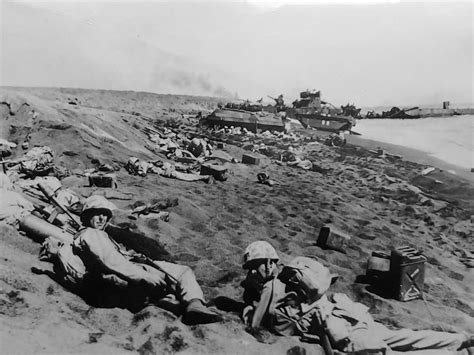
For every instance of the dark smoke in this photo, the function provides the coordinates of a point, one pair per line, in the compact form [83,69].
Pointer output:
[190,83]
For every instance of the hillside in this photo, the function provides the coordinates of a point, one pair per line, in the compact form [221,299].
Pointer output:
[381,203]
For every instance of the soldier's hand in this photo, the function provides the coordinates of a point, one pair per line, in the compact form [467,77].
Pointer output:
[262,335]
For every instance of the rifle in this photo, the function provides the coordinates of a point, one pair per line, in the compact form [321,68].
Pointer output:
[320,329]
[143,259]
[5,163]
[50,196]
[10,161]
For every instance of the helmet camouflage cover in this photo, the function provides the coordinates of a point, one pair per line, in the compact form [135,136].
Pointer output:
[258,250]
[97,202]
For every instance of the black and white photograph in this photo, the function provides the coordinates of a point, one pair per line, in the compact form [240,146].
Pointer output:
[288,177]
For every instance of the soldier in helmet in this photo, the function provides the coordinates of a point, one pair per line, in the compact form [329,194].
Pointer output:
[279,103]
[292,300]
[158,279]
[260,259]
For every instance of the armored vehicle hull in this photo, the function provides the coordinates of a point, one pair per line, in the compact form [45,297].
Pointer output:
[311,111]
[317,120]
[253,121]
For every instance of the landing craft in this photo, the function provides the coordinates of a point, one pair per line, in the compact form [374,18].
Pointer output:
[311,111]
[394,112]
[246,115]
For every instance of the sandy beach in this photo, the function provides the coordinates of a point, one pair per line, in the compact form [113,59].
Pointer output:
[381,202]
[411,154]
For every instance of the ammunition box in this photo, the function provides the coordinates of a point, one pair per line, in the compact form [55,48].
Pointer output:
[248,159]
[220,145]
[378,265]
[218,172]
[103,180]
[330,238]
[407,271]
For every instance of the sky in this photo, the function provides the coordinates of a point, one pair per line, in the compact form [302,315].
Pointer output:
[370,53]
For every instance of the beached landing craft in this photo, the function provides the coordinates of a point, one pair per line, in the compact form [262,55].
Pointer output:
[394,112]
[417,112]
[254,121]
[311,111]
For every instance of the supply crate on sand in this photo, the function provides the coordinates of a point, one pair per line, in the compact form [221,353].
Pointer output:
[332,238]
[218,172]
[248,159]
[407,268]
[103,180]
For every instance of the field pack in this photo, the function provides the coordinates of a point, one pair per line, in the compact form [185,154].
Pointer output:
[307,277]
[39,161]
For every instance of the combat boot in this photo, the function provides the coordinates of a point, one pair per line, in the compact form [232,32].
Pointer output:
[197,313]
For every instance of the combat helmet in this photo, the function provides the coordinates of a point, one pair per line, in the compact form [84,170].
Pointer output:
[97,202]
[52,183]
[258,250]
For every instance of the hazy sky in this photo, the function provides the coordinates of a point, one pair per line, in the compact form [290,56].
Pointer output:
[367,53]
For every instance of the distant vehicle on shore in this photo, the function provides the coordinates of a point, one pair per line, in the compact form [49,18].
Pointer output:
[311,111]
[394,112]
[416,112]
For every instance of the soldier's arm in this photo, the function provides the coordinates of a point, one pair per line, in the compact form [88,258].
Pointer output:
[95,247]
[262,306]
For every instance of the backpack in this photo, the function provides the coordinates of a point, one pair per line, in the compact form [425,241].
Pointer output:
[38,161]
[307,277]
[67,265]
[347,324]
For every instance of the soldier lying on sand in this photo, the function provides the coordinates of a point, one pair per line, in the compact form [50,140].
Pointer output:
[95,259]
[294,302]
[140,167]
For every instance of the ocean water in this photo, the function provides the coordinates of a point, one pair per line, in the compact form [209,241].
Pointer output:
[450,139]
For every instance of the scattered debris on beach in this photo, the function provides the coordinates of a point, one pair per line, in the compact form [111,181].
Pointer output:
[197,195]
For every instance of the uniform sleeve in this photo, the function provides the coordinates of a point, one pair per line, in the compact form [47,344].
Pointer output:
[97,251]
[263,305]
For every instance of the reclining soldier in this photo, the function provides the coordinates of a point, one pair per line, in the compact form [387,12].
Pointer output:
[103,258]
[288,305]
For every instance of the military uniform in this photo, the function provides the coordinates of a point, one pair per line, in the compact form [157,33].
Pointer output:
[285,310]
[101,255]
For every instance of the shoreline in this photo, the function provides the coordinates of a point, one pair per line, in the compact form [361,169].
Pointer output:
[380,204]
[413,155]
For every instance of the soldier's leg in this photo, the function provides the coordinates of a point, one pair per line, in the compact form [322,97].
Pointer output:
[183,281]
[184,285]
[408,340]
